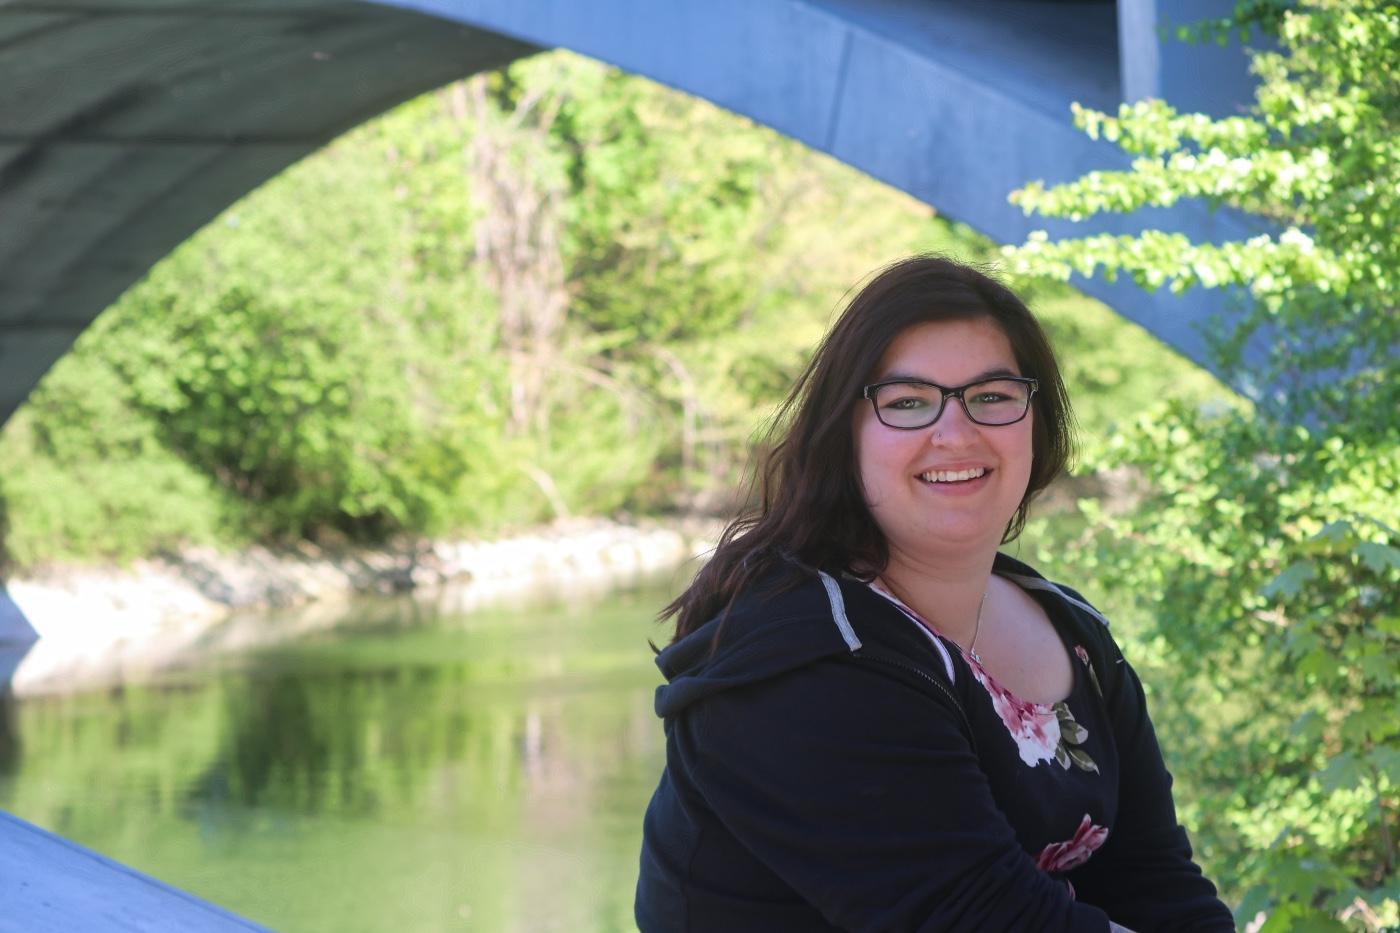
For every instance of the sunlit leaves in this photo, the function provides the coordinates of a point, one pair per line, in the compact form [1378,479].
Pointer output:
[1318,158]
[1265,540]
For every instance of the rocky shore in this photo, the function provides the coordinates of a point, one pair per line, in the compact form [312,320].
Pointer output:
[78,626]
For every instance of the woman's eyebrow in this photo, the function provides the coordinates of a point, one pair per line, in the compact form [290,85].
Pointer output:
[994,373]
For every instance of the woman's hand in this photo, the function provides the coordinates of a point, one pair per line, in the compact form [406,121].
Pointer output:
[1117,928]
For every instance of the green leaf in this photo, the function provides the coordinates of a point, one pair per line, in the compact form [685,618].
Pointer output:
[1317,663]
[1073,732]
[1315,921]
[1379,557]
[1386,761]
[1081,760]
[1256,899]
[1281,919]
[1289,582]
[1334,531]
[1343,772]
[1369,723]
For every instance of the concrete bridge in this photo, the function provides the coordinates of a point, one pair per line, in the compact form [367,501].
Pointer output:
[125,125]
[51,885]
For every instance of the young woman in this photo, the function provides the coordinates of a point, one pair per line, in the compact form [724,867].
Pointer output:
[874,720]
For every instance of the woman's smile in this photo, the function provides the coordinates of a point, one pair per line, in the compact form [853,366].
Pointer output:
[956,481]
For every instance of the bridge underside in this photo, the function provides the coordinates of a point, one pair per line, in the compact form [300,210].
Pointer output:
[126,126]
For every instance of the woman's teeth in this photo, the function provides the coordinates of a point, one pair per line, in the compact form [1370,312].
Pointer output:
[952,476]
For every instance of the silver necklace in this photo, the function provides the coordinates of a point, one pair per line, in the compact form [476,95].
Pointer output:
[976,625]
[977,628]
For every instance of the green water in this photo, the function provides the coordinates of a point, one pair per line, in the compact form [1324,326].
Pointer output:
[410,769]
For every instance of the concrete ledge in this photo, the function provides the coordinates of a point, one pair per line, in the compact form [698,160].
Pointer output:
[80,628]
[51,885]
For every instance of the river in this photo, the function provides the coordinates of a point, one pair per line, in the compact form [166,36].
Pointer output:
[414,768]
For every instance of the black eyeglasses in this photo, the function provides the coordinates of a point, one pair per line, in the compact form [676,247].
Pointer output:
[908,405]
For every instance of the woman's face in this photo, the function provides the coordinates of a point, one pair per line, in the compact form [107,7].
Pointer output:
[923,515]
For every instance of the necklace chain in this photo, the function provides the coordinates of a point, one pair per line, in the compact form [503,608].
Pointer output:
[976,625]
[977,628]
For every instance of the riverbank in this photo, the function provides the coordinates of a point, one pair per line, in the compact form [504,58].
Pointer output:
[81,626]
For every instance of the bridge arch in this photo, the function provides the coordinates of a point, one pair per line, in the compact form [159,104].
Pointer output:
[125,125]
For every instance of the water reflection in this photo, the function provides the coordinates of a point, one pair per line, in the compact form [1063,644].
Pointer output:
[9,733]
[479,771]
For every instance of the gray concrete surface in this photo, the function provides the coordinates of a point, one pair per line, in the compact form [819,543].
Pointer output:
[51,885]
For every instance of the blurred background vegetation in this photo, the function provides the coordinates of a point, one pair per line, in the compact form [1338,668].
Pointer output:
[551,290]
[560,290]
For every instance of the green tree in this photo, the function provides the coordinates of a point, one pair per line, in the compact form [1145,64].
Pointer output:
[552,289]
[1265,542]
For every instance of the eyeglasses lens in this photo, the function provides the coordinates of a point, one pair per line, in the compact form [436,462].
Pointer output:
[916,404]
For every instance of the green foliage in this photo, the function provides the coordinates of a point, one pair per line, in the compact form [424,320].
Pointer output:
[77,434]
[1266,16]
[270,397]
[1115,371]
[1265,544]
[1318,159]
[328,358]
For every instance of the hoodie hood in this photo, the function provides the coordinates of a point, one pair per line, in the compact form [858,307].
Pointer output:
[781,625]
[769,631]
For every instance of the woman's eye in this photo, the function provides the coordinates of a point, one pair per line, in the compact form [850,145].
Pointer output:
[990,397]
[908,403]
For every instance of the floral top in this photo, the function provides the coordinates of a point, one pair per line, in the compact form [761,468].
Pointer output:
[1051,769]
[831,766]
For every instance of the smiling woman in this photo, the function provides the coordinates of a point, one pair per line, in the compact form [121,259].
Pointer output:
[944,479]
[874,719]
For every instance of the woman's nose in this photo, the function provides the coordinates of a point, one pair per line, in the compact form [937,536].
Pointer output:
[953,423]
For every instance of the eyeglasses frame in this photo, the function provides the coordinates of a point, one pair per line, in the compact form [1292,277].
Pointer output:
[956,392]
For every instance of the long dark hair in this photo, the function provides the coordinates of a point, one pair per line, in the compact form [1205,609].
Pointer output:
[808,507]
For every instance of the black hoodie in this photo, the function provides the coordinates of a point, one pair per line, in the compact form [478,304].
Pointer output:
[831,767]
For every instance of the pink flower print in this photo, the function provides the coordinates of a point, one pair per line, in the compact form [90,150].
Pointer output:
[1034,726]
[1062,856]
[1042,732]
